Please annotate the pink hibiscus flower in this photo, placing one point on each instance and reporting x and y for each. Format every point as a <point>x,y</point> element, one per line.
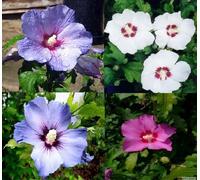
<point>143,132</point>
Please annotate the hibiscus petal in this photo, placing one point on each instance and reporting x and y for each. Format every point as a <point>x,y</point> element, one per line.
<point>56,18</point>
<point>132,129</point>
<point>32,26</point>
<point>72,145</point>
<point>164,131</point>
<point>131,145</point>
<point>64,59</point>
<point>31,50</point>
<point>157,145</point>
<point>75,35</point>
<point>36,113</point>
<point>180,41</point>
<point>59,116</point>
<point>47,161</point>
<point>161,38</point>
<point>148,122</point>
<point>161,21</point>
<point>147,39</point>
<point>188,27</point>
<point>23,133</point>
<point>181,71</point>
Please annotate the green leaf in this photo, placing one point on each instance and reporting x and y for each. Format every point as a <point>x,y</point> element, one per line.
<point>143,6</point>
<point>132,71</point>
<point>131,161</point>
<point>113,55</point>
<point>120,5</point>
<point>30,81</point>
<point>109,76</point>
<point>169,7</point>
<point>12,42</point>
<point>144,153</point>
<point>11,144</point>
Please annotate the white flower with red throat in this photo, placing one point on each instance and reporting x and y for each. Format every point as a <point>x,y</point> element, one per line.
<point>162,73</point>
<point>173,31</point>
<point>130,31</point>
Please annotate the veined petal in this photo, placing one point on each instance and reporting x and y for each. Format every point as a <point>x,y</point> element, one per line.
<point>23,133</point>
<point>47,161</point>
<point>161,38</point>
<point>36,113</point>
<point>59,116</point>
<point>72,145</point>
<point>31,50</point>
<point>157,145</point>
<point>64,59</point>
<point>188,27</point>
<point>75,35</point>
<point>56,18</point>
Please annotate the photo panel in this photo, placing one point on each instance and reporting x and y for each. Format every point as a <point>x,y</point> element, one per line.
<point>150,46</point>
<point>53,46</point>
<point>151,136</point>
<point>53,135</point>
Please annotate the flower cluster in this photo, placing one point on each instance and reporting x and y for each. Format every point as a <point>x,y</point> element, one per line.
<point>142,132</point>
<point>45,127</point>
<point>53,37</point>
<point>132,31</point>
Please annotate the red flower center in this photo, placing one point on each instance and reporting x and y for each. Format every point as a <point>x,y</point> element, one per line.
<point>51,42</point>
<point>148,137</point>
<point>172,30</point>
<point>163,73</point>
<point>129,30</point>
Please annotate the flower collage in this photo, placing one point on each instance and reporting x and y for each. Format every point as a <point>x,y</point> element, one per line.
<point>99,90</point>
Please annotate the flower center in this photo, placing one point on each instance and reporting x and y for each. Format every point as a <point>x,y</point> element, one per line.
<point>129,30</point>
<point>51,136</point>
<point>163,73</point>
<point>148,137</point>
<point>172,30</point>
<point>51,42</point>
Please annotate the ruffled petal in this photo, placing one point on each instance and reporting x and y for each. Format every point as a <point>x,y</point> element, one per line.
<point>32,25</point>
<point>148,122</point>
<point>72,145</point>
<point>131,145</point>
<point>164,131</point>
<point>180,41</point>
<point>161,22</point>
<point>132,129</point>
<point>75,36</point>
<point>47,161</point>
<point>188,27</point>
<point>23,133</point>
<point>157,145</point>
<point>161,38</point>
<point>56,18</point>
<point>31,50</point>
<point>36,114</point>
<point>64,59</point>
<point>181,71</point>
<point>59,116</point>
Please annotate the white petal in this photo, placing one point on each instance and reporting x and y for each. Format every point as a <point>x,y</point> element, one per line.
<point>188,27</point>
<point>169,85</point>
<point>144,39</point>
<point>161,59</point>
<point>161,22</point>
<point>143,21</point>
<point>181,71</point>
<point>180,41</point>
<point>161,38</point>
<point>175,18</point>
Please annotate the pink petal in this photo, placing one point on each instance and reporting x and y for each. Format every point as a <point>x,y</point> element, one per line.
<point>161,145</point>
<point>132,128</point>
<point>148,122</point>
<point>164,131</point>
<point>132,145</point>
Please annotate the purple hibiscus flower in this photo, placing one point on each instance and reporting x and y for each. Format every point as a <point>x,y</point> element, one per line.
<point>45,127</point>
<point>52,36</point>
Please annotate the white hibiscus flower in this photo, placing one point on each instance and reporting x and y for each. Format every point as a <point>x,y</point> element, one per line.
<point>161,73</point>
<point>130,31</point>
<point>173,31</point>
